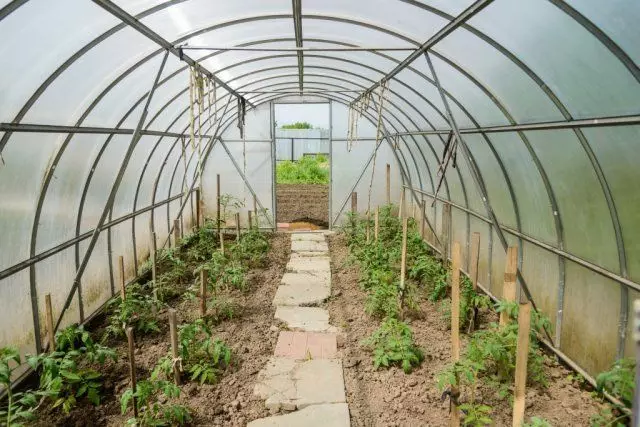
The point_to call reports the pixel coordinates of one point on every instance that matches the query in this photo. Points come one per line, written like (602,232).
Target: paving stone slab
(313,319)
(303,289)
(288,384)
(316,237)
(328,415)
(309,246)
(301,345)
(313,263)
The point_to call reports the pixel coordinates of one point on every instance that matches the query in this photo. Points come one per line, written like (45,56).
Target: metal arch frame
(297,29)
(619,241)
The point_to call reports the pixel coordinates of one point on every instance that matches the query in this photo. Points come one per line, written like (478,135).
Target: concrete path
(304,378)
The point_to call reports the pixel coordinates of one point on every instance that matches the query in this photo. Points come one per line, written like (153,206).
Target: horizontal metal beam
(466,14)
(40,128)
(69,243)
(130,20)
(301,49)
(565,124)
(566,255)
(304,92)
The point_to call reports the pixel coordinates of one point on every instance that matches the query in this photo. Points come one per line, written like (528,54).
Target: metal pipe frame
(297,29)
(299,49)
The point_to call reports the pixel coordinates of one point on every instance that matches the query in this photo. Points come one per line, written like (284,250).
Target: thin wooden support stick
(132,369)
(123,293)
(203,293)
(218,195)
(422,214)
(368,226)
(255,209)
(198,209)
(176,232)
(377,223)
(152,255)
(400,208)
(49,320)
(473,275)
(250,218)
(237,226)
(354,202)
(388,184)
(522,355)
(403,261)
(221,234)
(446,230)
(509,286)
(455,325)
(173,333)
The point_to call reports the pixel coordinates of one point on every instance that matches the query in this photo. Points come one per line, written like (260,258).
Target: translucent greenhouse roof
(545,94)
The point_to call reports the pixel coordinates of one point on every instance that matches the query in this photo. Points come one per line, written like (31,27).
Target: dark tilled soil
(227,403)
(392,398)
(303,202)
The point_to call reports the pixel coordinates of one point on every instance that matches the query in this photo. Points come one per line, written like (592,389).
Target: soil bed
(388,397)
(230,402)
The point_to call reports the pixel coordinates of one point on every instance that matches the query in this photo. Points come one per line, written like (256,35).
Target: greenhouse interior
(452,244)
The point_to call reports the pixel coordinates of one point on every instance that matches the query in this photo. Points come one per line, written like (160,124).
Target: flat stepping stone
(303,289)
(288,384)
(329,415)
(314,263)
(313,319)
(301,345)
(309,246)
(316,237)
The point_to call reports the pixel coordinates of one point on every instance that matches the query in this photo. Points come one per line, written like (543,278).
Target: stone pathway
(304,377)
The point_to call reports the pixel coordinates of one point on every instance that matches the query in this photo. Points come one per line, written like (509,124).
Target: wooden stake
(123,293)
(422,214)
(377,223)
(132,369)
(221,234)
(354,202)
(250,218)
(203,293)
(446,230)
(49,320)
(522,355)
(403,260)
(388,184)
(455,324)
(400,208)
(198,209)
(509,286)
(255,209)
(473,273)
(218,202)
(152,257)
(173,333)
(176,232)
(368,226)
(237,226)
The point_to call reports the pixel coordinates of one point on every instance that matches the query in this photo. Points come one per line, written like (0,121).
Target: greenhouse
(449,240)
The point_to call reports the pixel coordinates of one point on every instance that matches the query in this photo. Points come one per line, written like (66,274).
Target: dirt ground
(392,398)
(303,202)
(227,403)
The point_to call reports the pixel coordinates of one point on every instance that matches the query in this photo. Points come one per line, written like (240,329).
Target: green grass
(307,170)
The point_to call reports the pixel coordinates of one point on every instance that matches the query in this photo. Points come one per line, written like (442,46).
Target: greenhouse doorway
(303,147)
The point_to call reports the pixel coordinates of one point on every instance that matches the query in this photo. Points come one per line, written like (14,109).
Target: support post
(423,212)
(176,232)
(218,218)
(354,202)
(522,354)
(152,254)
(377,223)
(509,286)
(173,332)
(203,293)
(49,320)
(198,209)
(455,325)
(255,210)
(221,234)
(403,261)
(401,206)
(132,369)
(237,226)
(250,219)
(446,230)
(123,293)
(473,274)
(202,216)
(636,338)
(388,184)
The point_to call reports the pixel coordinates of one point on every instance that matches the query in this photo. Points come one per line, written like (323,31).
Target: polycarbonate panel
(96,283)
(610,17)
(58,218)
(412,165)
(24,161)
(340,124)
(495,180)
(102,181)
(15,310)
(579,195)
(122,245)
(533,200)
(616,149)
(38,37)
(66,99)
(151,172)
(416,145)
(630,347)
(563,54)
(518,92)
(590,340)
(498,258)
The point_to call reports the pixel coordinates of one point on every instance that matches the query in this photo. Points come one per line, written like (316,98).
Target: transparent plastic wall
(251,156)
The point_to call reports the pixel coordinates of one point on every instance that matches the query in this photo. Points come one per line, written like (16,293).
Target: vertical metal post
(330,165)
(114,190)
